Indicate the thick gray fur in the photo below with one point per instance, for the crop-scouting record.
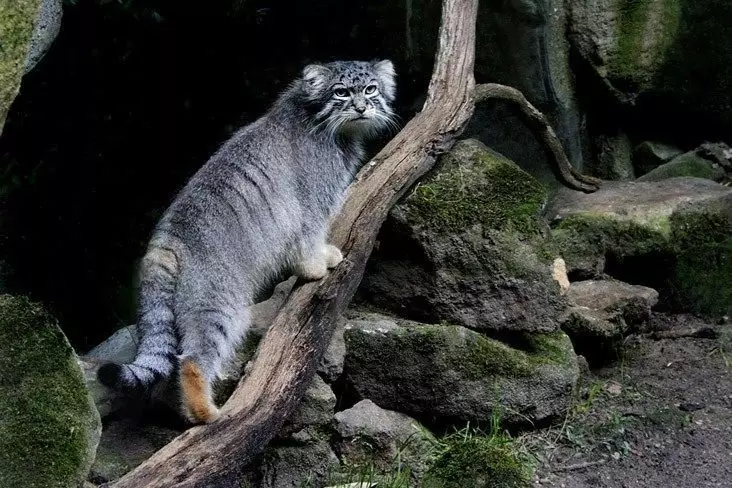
(256, 212)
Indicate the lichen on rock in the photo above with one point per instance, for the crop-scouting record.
(49, 427)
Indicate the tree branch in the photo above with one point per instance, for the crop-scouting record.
(546, 135)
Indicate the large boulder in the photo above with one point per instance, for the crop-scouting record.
(447, 373)
(672, 53)
(462, 248)
(673, 235)
(49, 427)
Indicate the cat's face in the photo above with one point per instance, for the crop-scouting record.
(351, 97)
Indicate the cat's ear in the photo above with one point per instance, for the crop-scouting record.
(385, 70)
(314, 78)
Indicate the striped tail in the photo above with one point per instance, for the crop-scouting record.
(158, 343)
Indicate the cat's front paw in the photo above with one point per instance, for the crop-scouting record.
(333, 256)
(312, 270)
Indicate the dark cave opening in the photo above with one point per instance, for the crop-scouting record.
(127, 104)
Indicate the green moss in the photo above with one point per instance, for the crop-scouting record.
(551, 348)
(643, 25)
(689, 164)
(478, 188)
(488, 357)
(703, 247)
(47, 421)
(480, 462)
(475, 355)
(586, 236)
(17, 19)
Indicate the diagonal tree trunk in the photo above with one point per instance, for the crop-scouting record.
(287, 357)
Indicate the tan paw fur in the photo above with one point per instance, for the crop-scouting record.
(312, 270)
(196, 394)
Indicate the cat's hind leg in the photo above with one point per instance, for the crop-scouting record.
(208, 342)
(195, 388)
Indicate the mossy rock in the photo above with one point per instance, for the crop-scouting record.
(49, 427)
(672, 235)
(473, 185)
(624, 40)
(672, 54)
(462, 247)
(649, 155)
(17, 19)
(645, 31)
(687, 164)
(454, 374)
(701, 236)
(587, 240)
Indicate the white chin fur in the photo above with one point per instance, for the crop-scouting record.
(361, 125)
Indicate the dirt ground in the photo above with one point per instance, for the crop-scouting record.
(660, 416)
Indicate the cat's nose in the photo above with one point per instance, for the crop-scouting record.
(360, 108)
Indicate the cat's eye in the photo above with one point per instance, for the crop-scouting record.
(370, 90)
(340, 92)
